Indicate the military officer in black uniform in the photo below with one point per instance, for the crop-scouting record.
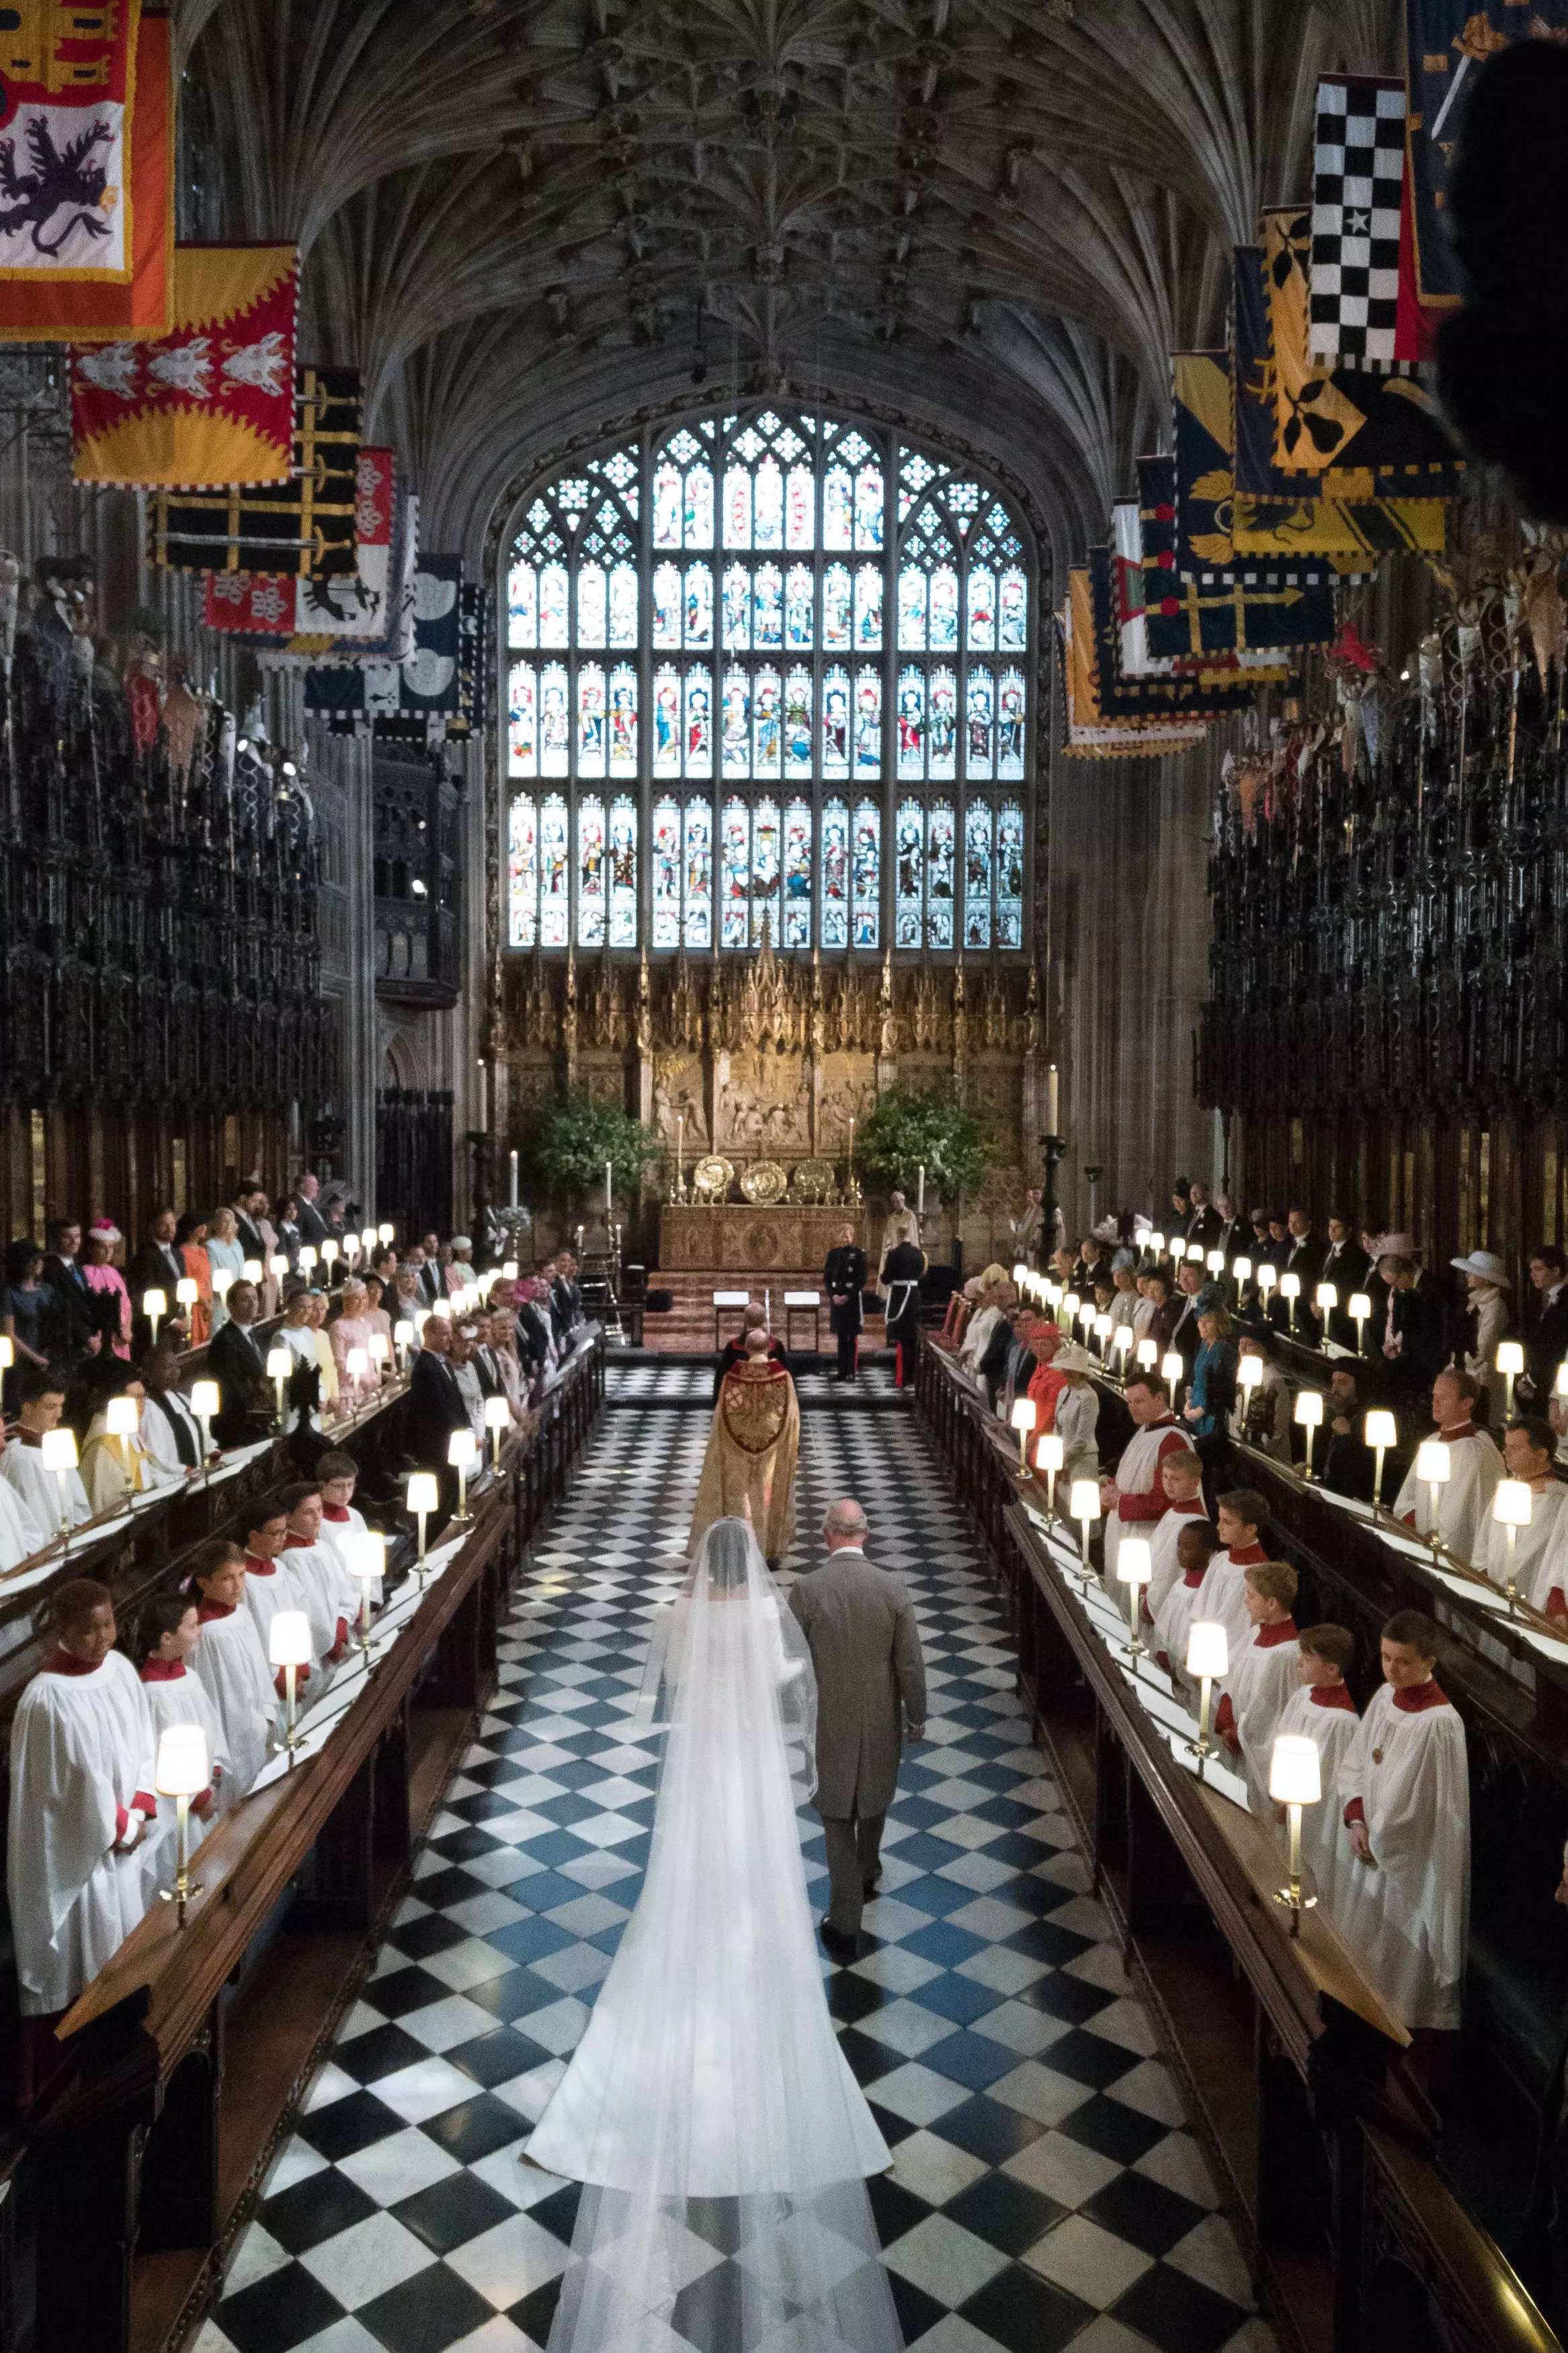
(844, 1279)
(901, 1271)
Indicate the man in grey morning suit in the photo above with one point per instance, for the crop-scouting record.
(870, 1695)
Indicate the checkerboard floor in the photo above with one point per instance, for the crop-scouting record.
(689, 1383)
(1044, 2192)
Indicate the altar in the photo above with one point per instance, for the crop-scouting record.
(742, 1239)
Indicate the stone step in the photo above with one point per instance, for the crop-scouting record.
(687, 1325)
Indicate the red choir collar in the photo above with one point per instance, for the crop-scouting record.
(1455, 1430)
(292, 1543)
(1167, 1421)
(163, 1671)
(1245, 1555)
(1195, 1576)
(1332, 1695)
(254, 1568)
(206, 1611)
(1420, 1697)
(1188, 1509)
(34, 1438)
(1268, 1638)
(65, 1662)
(337, 1513)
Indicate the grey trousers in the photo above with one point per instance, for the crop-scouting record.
(854, 1856)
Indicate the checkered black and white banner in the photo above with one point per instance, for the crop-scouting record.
(1357, 188)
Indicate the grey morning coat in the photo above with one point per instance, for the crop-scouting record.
(866, 1648)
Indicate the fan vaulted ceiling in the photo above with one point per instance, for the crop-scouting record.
(531, 220)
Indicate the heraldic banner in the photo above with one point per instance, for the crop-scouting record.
(211, 403)
(81, 156)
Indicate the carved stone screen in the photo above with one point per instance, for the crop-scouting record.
(768, 675)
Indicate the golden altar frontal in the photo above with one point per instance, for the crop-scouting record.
(736, 1237)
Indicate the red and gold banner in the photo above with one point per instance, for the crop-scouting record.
(100, 306)
(211, 403)
(68, 93)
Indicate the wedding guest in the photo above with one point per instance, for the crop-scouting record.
(159, 1265)
(112, 1300)
(1546, 1342)
(236, 1361)
(1262, 1413)
(72, 1328)
(190, 1241)
(348, 1330)
(226, 1252)
(23, 1303)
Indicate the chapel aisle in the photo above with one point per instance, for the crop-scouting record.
(1044, 2192)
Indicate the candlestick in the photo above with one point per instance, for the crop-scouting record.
(288, 1647)
(120, 1419)
(58, 1448)
(1084, 1505)
(367, 1561)
(1512, 1506)
(1381, 1433)
(1025, 1413)
(1360, 1311)
(1510, 1363)
(498, 1417)
(607, 1194)
(1310, 1417)
(424, 1497)
(1433, 1469)
(1135, 1570)
(921, 1191)
(1295, 1779)
(1052, 1107)
(513, 1202)
(206, 1398)
(183, 1771)
(462, 1453)
(279, 1366)
(1208, 1661)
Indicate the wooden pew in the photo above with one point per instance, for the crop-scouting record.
(1292, 2069)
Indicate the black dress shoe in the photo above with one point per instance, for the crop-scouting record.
(869, 1887)
(839, 1946)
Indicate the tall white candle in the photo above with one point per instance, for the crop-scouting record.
(1052, 1107)
(606, 1192)
(920, 1192)
(679, 1150)
(514, 1180)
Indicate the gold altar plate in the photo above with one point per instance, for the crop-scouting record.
(764, 1181)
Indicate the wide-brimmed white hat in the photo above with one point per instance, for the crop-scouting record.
(1395, 1246)
(1487, 1267)
(1072, 1359)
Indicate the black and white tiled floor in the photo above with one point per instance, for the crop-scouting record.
(1044, 2192)
(681, 1381)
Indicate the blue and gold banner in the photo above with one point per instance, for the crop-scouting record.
(1222, 611)
(1448, 41)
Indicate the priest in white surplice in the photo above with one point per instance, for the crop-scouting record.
(1322, 1708)
(1405, 1793)
(115, 1468)
(42, 1402)
(1475, 1466)
(1529, 1449)
(170, 1430)
(1136, 1497)
(87, 1847)
(231, 1661)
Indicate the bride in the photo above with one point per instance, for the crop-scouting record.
(722, 2138)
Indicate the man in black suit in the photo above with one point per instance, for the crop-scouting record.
(1234, 1238)
(1347, 1266)
(313, 1227)
(236, 1361)
(1204, 1221)
(249, 1197)
(1190, 1284)
(158, 1266)
(1546, 1344)
(735, 1351)
(844, 1279)
(436, 1404)
(1302, 1258)
(565, 1296)
(902, 1271)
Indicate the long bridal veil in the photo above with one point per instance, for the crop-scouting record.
(709, 2110)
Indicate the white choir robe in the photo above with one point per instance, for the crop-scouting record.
(272, 1586)
(1407, 1914)
(1532, 1545)
(110, 1481)
(174, 1695)
(1261, 1679)
(325, 1574)
(1137, 1480)
(20, 1535)
(40, 1489)
(1550, 1575)
(1326, 1714)
(334, 1538)
(1172, 1624)
(158, 1438)
(231, 1664)
(1221, 1599)
(81, 1754)
(1167, 1568)
(1464, 1504)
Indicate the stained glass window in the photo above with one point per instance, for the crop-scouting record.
(745, 655)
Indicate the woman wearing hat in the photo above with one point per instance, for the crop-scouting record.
(1486, 1308)
(112, 1300)
(1077, 1415)
(1211, 1393)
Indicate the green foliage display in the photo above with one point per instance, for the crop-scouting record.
(571, 1140)
(909, 1127)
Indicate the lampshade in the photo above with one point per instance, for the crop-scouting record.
(368, 1237)
(57, 1449)
(367, 1553)
(329, 1253)
(1135, 1561)
(1195, 1250)
(1171, 1366)
(289, 1640)
(1050, 1452)
(1290, 1285)
(187, 1291)
(1249, 1372)
(120, 1416)
(424, 1491)
(205, 1399)
(280, 1363)
(1085, 1501)
(307, 1258)
(1512, 1503)
(1559, 1385)
(1122, 1338)
(442, 1307)
(403, 1334)
(378, 1349)
(1295, 1771)
(1020, 1275)
(1434, 1464)
(357, 1363)
(278, 1264)
(7, 1351)
(1102, 1327)
(1310, 1409)
(420, 1318)
(1510, 1356)
(1025, 1413)
(1241, 1267)
(222, 1278)
(1379, 1431)
(1086, 1315)
(1070, 1304)
(1360, 1307)
(498, 1413)
(1208, 1651)
(1267, 1275)
(386, 1232)
(254, 1270)
(462, 1449)
(1157, 1244)
(1148, 1354)
(183, 1769)
(350, 1247)
(154, 1302)
(1215, 1262)
(1328, 1297)
(509, 1269)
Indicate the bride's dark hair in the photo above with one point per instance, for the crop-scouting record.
(729, 1555)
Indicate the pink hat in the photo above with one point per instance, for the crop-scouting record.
(105, 1230)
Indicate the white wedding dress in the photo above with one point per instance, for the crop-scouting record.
(709, 2108)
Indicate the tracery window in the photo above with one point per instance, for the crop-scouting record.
(768, 675)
